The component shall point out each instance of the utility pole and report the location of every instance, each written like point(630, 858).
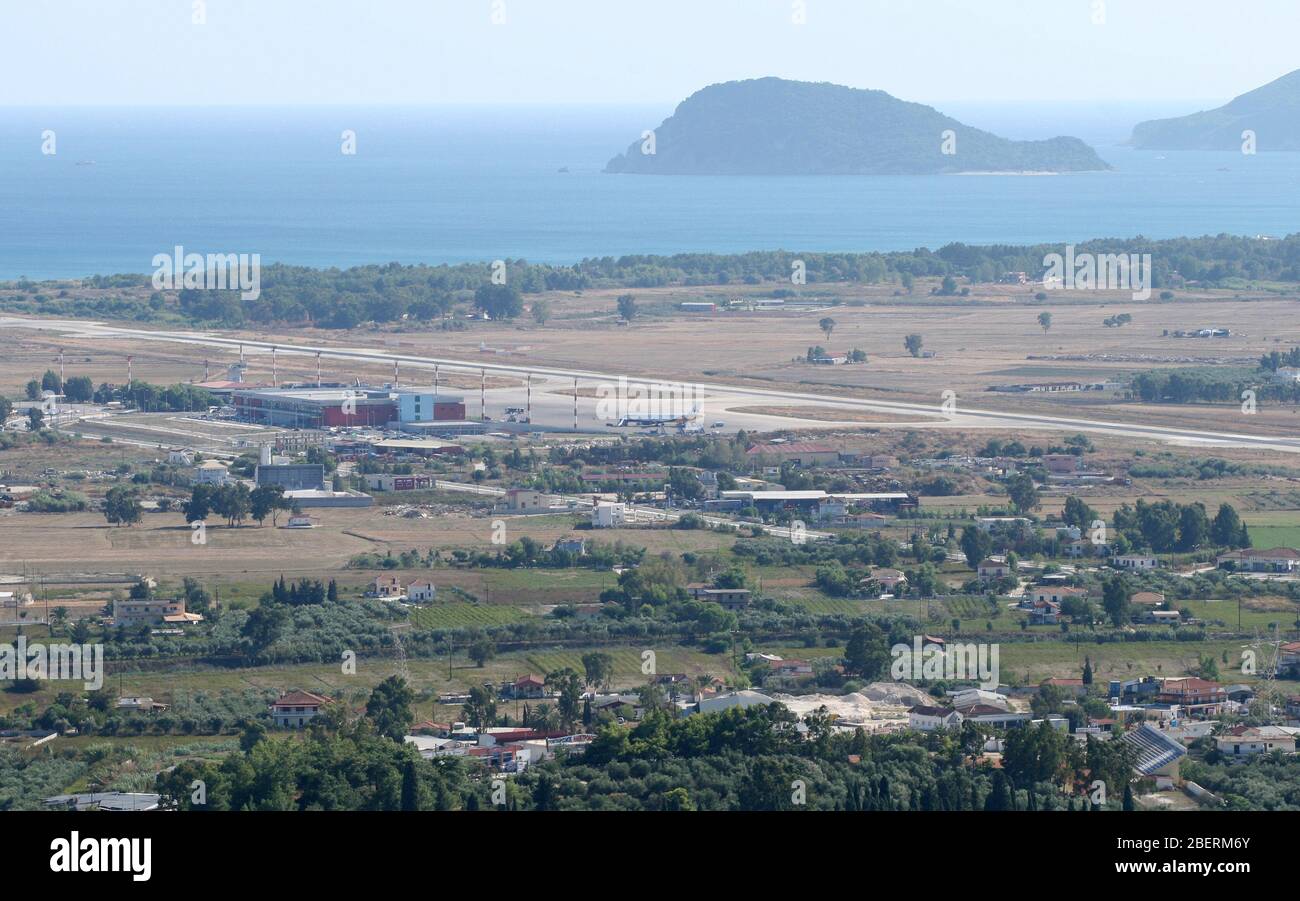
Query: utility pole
point(318, 369)
point(575, 405)
point(128, 370)
point(275, 370)
point(528, 413)
point(435, 381)
point(396, 379)
point(61, 379)
point(482, 394)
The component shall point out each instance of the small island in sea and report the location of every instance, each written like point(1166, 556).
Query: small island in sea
point(771, 126)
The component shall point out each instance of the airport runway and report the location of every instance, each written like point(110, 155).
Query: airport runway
point(552, 409)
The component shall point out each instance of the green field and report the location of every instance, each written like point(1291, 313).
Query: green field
point(461, 616)
point(1274, 536)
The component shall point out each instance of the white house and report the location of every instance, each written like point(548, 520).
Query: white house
point(606, 515)
point(210, 472)
point(525, 500)
point(1057, 593)
point(295, 709)
point(928, 719)
point(1273, 560)
point(1134, 561)
point(421, 591)
point(993, 569)
point(1245, 741)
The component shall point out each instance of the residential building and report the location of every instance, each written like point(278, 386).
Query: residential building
point(607, 515)
point(1134, 562)
point(991, 570)
point(421, 591)
point(1195, 695)
point(525, 500)
point(1274, 560)
point(1247, 741)
point(528, 686)
point(296, 709)
point(153, 612)
point(385, 587)
point(1056, 594)
point(889, 580)
point(210, 472)
point(928, 719)
point(730, 598)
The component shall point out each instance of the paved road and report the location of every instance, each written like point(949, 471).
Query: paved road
point(961, 417)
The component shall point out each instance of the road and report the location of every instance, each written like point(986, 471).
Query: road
point(558, 410)
point(641, 512)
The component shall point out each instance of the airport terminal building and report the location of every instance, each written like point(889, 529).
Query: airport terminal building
point(320, 408)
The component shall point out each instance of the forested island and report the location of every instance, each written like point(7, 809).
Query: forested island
point(771, 126)
point(1267, 118)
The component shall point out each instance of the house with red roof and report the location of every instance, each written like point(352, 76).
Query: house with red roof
point(295, 709)
point(528, 686)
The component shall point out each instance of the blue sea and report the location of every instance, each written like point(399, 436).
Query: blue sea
point(450, 184)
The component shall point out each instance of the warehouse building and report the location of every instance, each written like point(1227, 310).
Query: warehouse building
point(291, 476)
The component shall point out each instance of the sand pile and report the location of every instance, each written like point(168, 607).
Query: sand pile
point(879, 702)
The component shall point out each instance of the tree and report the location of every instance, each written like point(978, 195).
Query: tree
point(1227, 529)
point(598, 667)
point(481, 650)
point(541, 311)
point(32, 390)
point(1045, 320)
point(498, 301)
point(389, 707)
point(913, 344)
point(1078, 514)
point(1193, 527)
point(568, 688)
point(976, 544)
point(1116, 595)
point(263, 626)
point(827, 325)
point(480, 711)
point(233, 501)
point(79, 389)
point(1021, 490)
point(199, 505)
point(1087, 671)
point(122, 506)
point(866, 653)
point(266, 500)
point(627, 306)
point(51, 382)
point(6, 409)
point(35, 419)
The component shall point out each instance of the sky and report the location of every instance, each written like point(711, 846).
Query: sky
point(369, 52)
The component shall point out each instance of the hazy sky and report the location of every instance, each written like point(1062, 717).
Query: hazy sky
point(79, 52)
